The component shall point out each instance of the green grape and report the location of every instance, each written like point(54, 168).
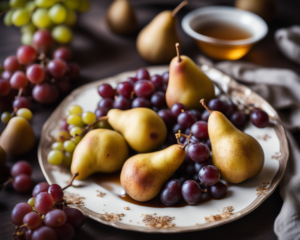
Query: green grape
point(26, 38)
point(84, 6)
point(103, 124)
point(41, 19)
point(20, 17)
point(63, 136)
point(71, 18)
point(69, 146)
point(57, 13)
point(25, 113)
point(17, 3)
point(30, 6)
point(88, 118)
point(75, 109)
point(57, 146)
point(31, 201)
point(5, 117)
point(45, 3)
point(8, 18)
point(29, 27)
point(74, 120)
point(55, 157)
point(67, 159)
point(76, 140)
point(75, 131)
point(71, 4)
point(62, 34)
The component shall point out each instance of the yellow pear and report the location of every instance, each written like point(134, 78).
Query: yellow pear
point(2, 157)
point(100, 150)
point(121, 18)
point(143, 175)
point(18, 137)
point(155, 42)
point(187, 83)
point(236, 154)
point(142, 128)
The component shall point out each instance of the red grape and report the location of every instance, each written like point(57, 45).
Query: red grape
point(28, 234)
point(199, 130)
point(200, 165)
point(259, 118)
point(101, 112)
point(63, 84)
point(65, 232)
point(22, 183)
point(45, 93)
point(178, 127)
point(63, 53)
point(35, 73)
point(208, 143)
point(4, 87)
point(218, 190)
point(56, 192)
point(73, 70)
point(21, 167)
point(6, 75)
point(44, 233)
point(205, 116)
point(41, 187)
point(209, 175)
point(43, 202)
point(217, 105)
point(122, 103)
point(11, 64)
point(106, 103)
point(63, 124)
point(125, 89)
point(18, 80)
point(165, 78)
point(157, 81)
point(26, 54)
point(158, 100)
point(140, 102)
point(143, 88)
point(18, 213)
point(21, 102)
point(177, 108)
point(231, 108)
point(186, 119)
point(57, 68)
point(133, 80)
point(142, 74)
point(197, 114)
point(191, 192)
point(167, 116)
point(171, 193)
point(43, 40)
point(105, 90)
point(55, 218)
point(74, 217)
point(238, 119)
point(32, 220)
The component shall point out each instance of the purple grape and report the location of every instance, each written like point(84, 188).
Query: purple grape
point(21, 102)
point(18, 213)
point(41, 187)
point(157, 81)
point(105, 90)
point(205, 116)
point(133, 80)
point(143, 88)
point(55, 218)
point(56, 192)
point(140, 102)
point(106, 103)
point(28, 234)
point(238, 119)
point(217, 105)
point(200, 165)
point(218, 190)
point(101, 112)
point(259, 118)
point(199, 130)
point(125, 89)
point(43, 202)
point(177, 127)
point(198, 152)
point(171, 193)
point(44, 233)
point(122, 103)
point(231, 108)
point(32, 220)
point(197, 114)
point(208, 143)
point(165, 78)
point(22, 183)
point(177, 108)
point(65, 232)
point(142, 74)
point(167, 116)
point(74, 217)
point(182, 179)
point(191, 192)
point(158, 100)
point(186, 119)
point(209, 175)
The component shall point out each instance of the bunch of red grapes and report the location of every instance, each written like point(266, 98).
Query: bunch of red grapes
point(197, 179)
point(31, 74)
point(46, 215)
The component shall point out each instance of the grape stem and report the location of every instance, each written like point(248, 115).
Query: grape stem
point(71, 181)
point(179, 134)
point(177, 9)
point(19, 231)
point(177, 45)
point(202, 101)
point(2, 186)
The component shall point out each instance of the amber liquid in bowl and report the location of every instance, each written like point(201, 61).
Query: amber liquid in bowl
point(224, 31)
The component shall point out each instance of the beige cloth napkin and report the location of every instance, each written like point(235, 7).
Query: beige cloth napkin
point(281, 88)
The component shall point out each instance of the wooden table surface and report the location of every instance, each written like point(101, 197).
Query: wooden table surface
point(101, 54)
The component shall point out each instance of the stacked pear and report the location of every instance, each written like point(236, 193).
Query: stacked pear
point(143, 175)
point(18, 137)
point(101, 150)
point(142, 128)
point(187, 83)
point(236, 154)
point(155, 42)
point(121, 18)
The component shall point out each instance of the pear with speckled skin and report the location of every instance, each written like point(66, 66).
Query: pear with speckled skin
point(142, 128)
point(236, 154)
point(143, 175)
point(101, 150)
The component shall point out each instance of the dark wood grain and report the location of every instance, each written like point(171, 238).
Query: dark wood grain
point(102, 54)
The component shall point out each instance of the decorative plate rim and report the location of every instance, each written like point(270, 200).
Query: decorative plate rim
point(231, 87)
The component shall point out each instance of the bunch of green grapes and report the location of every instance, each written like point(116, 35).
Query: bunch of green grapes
point(73, 127)
point(55, 15)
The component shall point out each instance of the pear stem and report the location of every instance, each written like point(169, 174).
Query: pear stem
point(179, 134)
point(71, 181)
point(202, 101)
point(177, 9)
point(177, 45)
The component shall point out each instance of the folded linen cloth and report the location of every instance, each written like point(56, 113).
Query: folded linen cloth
point(281, 88)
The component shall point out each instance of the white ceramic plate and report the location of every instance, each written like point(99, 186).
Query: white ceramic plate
point(243, 198)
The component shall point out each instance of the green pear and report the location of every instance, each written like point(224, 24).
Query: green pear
point(100, 150)
point(2, 157)
point(121, 18)
point(143, 175)
point(155, 42)
point(18, 137)
point(236, 154)
point(187, 83)
point(142, 128)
